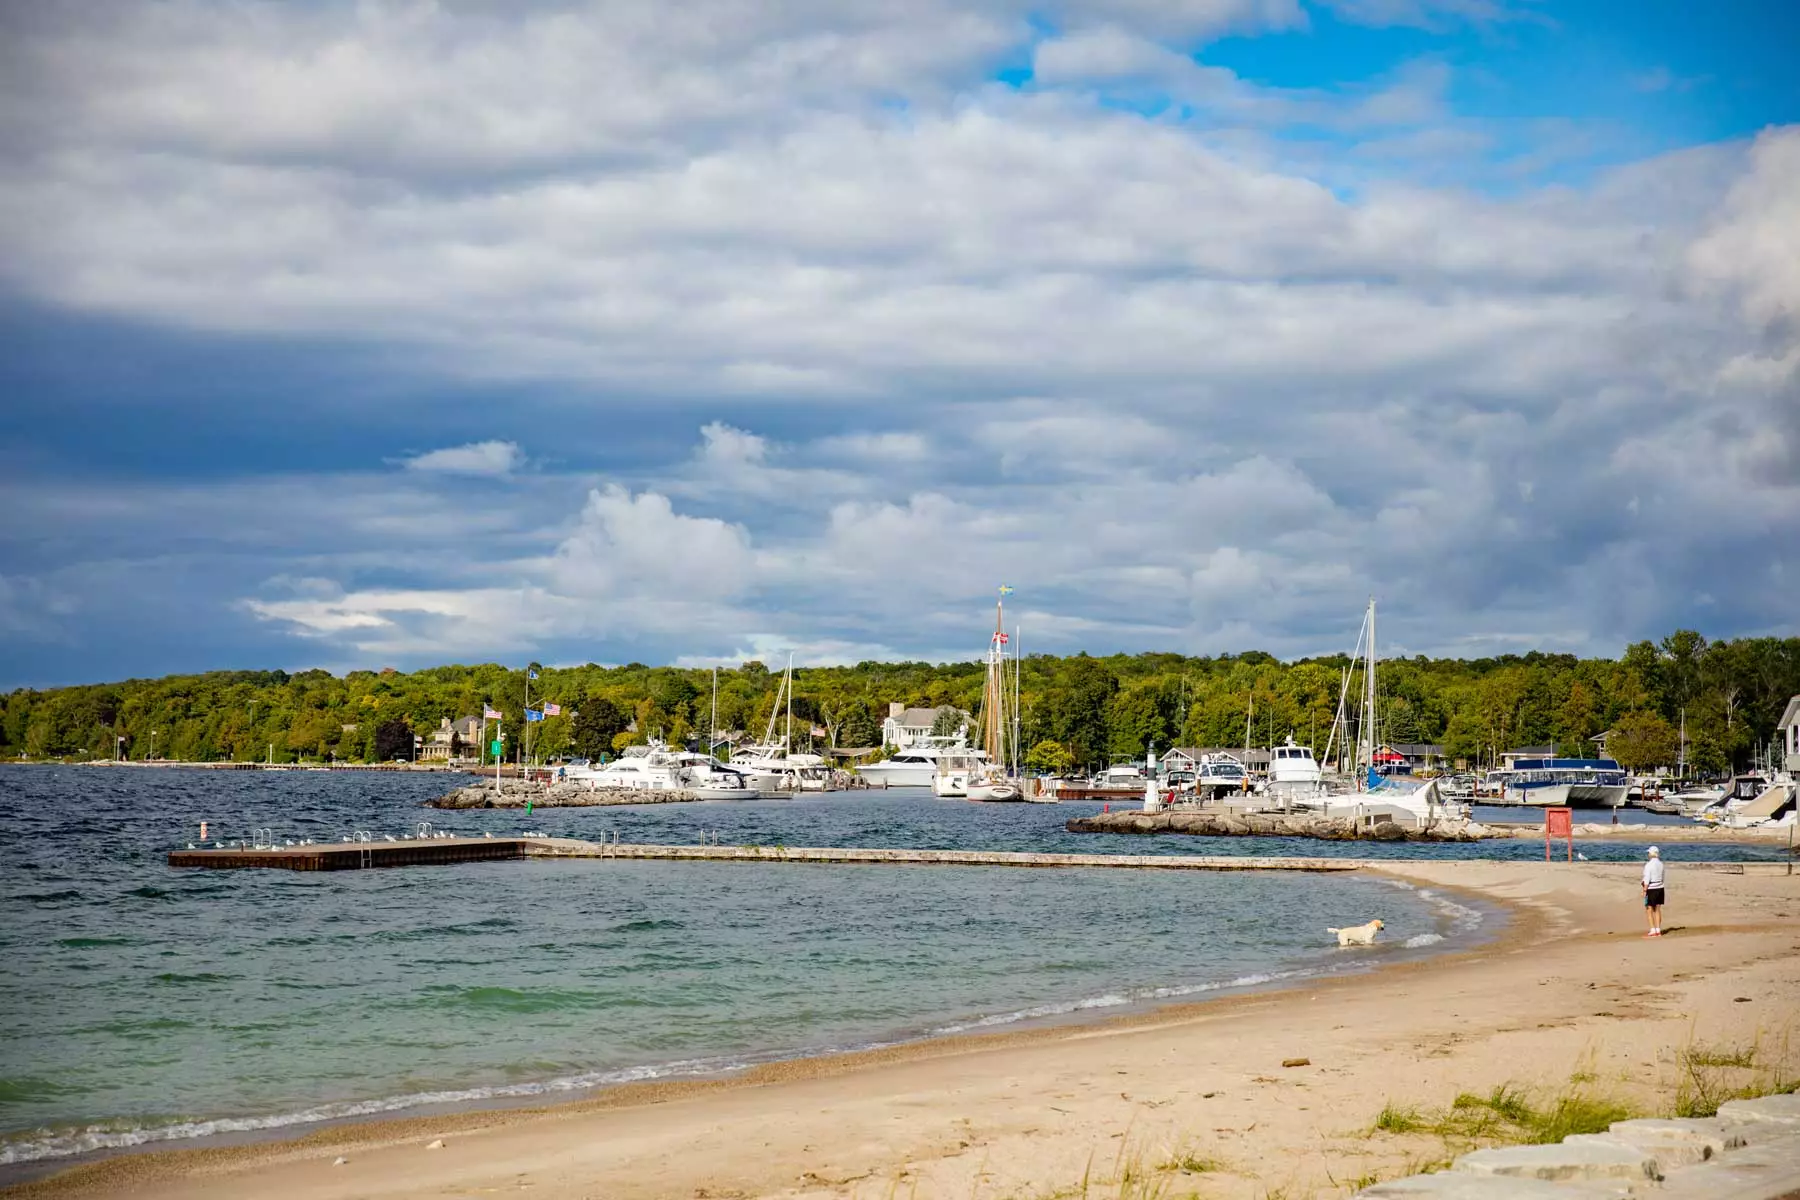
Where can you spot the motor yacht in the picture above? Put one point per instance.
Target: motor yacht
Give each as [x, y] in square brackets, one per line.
[642, 768]
[954, 772]
[916, 766]
[710, 779]
[1220, 777]
[1562, 783]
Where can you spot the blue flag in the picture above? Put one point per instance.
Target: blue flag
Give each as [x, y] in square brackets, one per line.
[532, 714]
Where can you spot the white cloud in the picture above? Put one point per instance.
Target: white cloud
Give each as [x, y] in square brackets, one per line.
[476, 458]
[1175, 379]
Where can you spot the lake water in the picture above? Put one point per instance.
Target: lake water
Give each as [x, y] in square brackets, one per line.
[140, 1004]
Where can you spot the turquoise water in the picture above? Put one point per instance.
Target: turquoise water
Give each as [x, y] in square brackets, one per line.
[141, 1004]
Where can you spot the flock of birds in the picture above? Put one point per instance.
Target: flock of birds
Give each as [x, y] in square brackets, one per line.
[348, 839]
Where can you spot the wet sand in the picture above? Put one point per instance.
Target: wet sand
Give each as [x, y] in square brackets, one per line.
[1571, 986]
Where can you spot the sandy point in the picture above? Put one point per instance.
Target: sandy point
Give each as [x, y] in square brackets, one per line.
[1196, 1096]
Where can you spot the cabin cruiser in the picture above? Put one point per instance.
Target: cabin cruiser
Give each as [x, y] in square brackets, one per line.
[916, 766]
[1220, 777]
[1562, 783]
[642, 768]
[955, 772]
[770, 768]
[710, 779]
[1748, 799]
[1293, 772]
[1122, 777]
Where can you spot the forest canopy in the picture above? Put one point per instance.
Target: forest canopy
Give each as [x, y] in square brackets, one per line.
[1077, 710]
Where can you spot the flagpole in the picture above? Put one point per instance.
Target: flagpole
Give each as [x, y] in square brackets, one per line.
[525, 732]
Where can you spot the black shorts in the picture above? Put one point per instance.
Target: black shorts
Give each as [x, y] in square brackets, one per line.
[1653, 897]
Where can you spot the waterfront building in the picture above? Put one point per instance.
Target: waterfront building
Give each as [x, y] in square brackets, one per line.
[452, 739]
[1789, 732]
[906, 727]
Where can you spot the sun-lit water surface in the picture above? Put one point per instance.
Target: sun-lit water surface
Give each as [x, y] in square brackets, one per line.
[142, 1003]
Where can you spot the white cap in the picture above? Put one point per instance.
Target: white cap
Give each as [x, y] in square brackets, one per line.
[1655, 853]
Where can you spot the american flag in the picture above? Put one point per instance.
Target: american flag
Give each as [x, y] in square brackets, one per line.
[553, 710]
[490, 714]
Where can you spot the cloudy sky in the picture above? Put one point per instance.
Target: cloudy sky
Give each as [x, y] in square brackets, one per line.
[396, 333]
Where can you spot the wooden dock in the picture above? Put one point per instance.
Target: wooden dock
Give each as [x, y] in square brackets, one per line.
[354, 856]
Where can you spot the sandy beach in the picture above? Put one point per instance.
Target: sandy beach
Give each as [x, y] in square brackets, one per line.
[1571, 990]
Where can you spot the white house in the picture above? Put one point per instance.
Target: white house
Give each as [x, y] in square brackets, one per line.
[907, 727]
[1789, 730]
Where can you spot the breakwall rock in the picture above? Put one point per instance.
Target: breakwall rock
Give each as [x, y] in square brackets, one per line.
[1331, 829]
[516, 793]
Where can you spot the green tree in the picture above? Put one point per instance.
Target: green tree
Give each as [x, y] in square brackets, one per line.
[393, 739]
[597, 722]
[1643, 740]
[947, 722]
[856, 727]
[1049, 757]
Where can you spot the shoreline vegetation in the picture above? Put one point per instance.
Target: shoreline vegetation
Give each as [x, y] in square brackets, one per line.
[1077, 711]
[1568, 1019]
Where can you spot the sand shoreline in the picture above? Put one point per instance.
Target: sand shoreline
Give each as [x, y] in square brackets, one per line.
[856, 1118]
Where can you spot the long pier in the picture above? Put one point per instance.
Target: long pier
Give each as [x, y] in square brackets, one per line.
[354, 856]
[350, 856]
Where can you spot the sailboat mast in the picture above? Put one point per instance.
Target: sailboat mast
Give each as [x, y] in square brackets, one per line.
[712, 722]
[1369, 730]
[788, 684]
[1018, 750]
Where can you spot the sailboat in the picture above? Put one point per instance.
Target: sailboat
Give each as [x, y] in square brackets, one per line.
[771, 765]
[997, 780]
[1374, 794]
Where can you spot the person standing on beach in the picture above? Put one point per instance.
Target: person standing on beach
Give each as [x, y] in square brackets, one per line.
[1653, 891]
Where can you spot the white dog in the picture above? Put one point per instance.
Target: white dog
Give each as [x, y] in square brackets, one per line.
[1358, 935]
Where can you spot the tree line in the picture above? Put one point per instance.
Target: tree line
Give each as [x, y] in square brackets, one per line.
[1076, 711]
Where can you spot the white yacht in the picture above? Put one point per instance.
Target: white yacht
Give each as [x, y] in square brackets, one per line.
[954, 773]
[1219, 777]
[1293, 773]
[710, 779]
[1562, 782]
[643, 768]
[917, 766]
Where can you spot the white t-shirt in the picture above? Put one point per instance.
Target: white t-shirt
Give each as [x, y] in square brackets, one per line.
[1653, 873]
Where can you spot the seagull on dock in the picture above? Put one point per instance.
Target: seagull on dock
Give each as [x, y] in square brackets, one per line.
[390, 837]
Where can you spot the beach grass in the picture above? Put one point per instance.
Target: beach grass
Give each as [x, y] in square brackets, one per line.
[1508, 1115]
[1709, 1075]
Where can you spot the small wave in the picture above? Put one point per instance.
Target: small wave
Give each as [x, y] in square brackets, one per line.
[48, 897]
[515, 1000]
[1116, 999]
[83, 943]
[199, 977]
[641, 926]
[14, 1091]
[43, 1143]
[1419, 940]
[148, 893]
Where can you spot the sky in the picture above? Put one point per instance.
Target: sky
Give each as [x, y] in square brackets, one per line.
[396, 333]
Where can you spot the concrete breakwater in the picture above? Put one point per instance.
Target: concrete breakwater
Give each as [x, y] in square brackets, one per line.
[1199, 823]
[516, 793]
